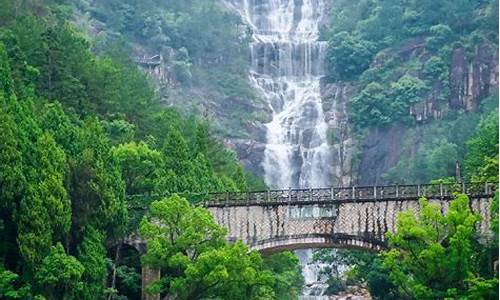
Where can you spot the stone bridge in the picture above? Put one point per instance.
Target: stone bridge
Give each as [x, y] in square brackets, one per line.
[347, 217]
[343, 217]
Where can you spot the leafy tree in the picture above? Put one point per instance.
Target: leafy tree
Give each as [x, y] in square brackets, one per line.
[96, 187]
[432, 255]
[12, 180]
[406, 91]
[348, 55]
[482, 158]
[188, 246]
[370, 106]
[92, 256]
[440, 35]
[10, 287]
[287, 274]
[59, 274]
[141, 166]
[44, 214]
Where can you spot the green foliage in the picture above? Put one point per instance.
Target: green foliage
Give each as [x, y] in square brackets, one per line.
[287, 274]
[378, 106]
[433, 256]
[77, 133]
[92, 256]
[10, 287]
[362, 267]
[96, 186]
[141, 166]
[173, 226]
[44, 212]
[482, 150]
[189, 247]
[348, 56]
[59, 274]
[370, 106]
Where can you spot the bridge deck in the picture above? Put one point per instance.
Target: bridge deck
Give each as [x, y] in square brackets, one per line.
[349, 194]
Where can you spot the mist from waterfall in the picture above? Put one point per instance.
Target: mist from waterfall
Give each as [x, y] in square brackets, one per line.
[286, 67]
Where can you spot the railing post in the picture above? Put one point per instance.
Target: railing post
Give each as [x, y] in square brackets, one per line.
[441, 189]
[463, 187]
[353, 192]
[332, 197]
[486, 191]
[289, 194]
[268, 195]
[227, 198]
[374, 192]
[418, 190]
[397, 190]
[310, 194]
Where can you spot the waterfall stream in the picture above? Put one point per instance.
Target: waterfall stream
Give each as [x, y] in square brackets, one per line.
[286, 67]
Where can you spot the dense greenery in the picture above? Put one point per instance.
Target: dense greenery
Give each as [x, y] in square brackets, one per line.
[399, 52]
[80, 135]
[189, 247]
[436, 256]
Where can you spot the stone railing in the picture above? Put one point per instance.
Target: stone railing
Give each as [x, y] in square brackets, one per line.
[350, 194]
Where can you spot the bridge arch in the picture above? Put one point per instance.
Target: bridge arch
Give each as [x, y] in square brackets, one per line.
[316, 241]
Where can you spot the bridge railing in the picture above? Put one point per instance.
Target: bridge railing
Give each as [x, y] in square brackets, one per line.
[353, 193]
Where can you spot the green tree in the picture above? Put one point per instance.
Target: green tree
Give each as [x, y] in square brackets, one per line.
[348, 55]
[44, 214]
[92, 256]
[432, 255]
[370, 107]
[189, 247]
[141, 166]
[405, 92]
[481, 162]
[59, 275]
[287, 274]
[96, 187]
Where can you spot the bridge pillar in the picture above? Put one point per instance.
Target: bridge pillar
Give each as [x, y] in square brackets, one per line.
[149, 275]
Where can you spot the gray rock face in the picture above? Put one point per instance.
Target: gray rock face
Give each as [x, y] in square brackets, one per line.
[473, 78]
[250, 153]
[380, 151]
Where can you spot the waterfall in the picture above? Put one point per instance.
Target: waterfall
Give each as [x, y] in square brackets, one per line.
[286, 67]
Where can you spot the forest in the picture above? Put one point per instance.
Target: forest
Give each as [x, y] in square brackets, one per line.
[86, 141]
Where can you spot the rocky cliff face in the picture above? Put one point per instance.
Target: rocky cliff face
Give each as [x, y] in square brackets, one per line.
[472, 78]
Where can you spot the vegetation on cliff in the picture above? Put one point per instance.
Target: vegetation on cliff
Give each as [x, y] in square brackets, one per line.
[425, 67]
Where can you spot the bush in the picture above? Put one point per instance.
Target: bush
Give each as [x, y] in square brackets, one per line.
[349, 56]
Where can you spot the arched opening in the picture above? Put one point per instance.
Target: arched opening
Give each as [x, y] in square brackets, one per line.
[330, 276]
[317, 241]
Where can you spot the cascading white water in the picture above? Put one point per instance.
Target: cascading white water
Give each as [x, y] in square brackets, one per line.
[286, 66]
